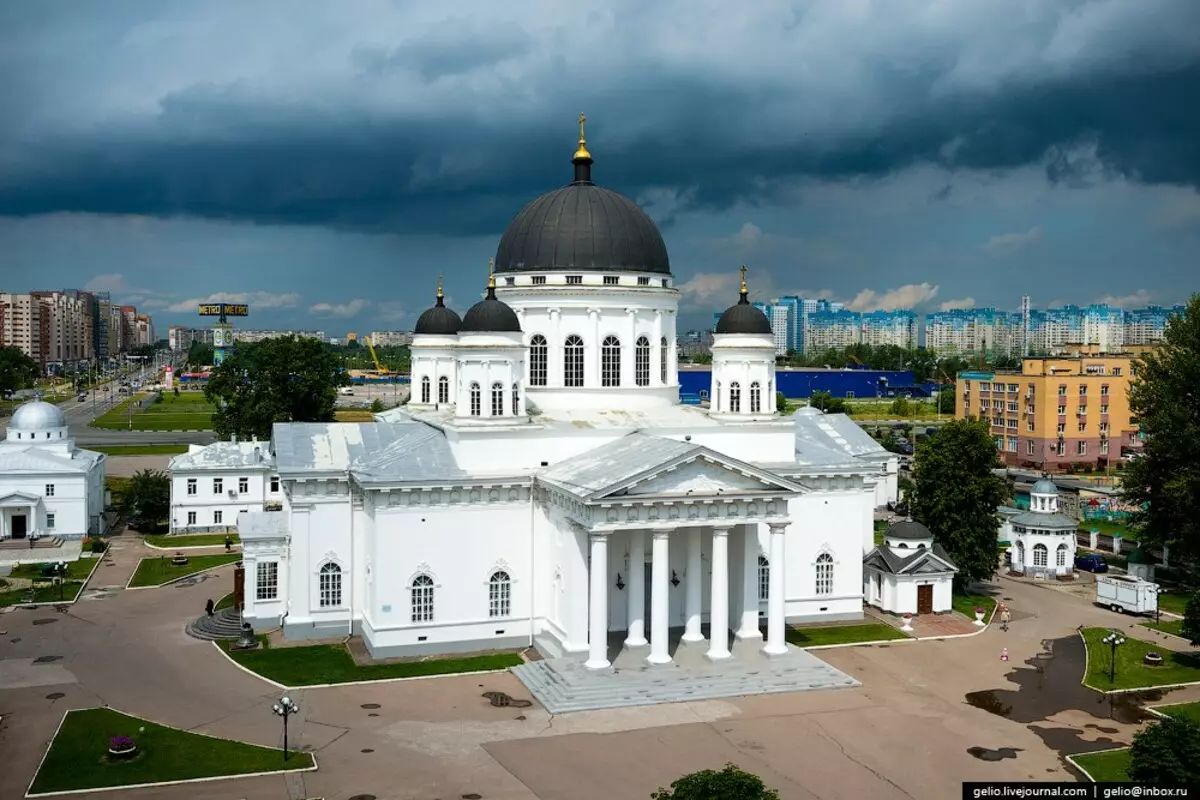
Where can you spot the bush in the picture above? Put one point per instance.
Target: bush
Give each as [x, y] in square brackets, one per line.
[780, 403]
[376, 406]
[730, 783]
[97, 545]
[1167, 752]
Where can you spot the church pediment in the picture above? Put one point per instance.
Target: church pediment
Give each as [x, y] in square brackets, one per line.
[927, 565]
[703, 475]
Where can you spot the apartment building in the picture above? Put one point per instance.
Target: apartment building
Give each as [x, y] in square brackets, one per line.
[1056, 411]
[21, 325]
[1145, 326]
[68, 325]
[387, 338]
[970, 331]
[212, 484]
[824, 330]
[898, 328]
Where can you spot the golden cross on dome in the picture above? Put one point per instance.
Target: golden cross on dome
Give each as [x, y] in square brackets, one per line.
[439, 291]
[744, 289]
[491, 273]
[582, 152]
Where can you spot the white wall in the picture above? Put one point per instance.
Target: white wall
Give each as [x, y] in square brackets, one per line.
[826, 521]
[744, 359]
[205, 501]
[900, 593]
[70, 503]
[433, 357]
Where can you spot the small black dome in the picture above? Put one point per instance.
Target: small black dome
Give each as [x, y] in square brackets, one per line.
[490, 315]
[743, 317]
[582, 227]
[908, 529]
[439, 320]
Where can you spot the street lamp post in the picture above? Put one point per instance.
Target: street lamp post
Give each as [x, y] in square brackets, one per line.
[60, 570]
[285, 708]
[1113, 640]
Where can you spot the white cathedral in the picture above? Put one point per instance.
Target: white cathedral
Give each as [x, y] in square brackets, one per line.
[544, 485]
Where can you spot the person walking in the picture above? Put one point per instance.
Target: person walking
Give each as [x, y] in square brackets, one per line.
[1005, 618]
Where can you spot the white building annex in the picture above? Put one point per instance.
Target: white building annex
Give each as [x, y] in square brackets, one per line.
[212, 484]
[1043, 539]
[48, 486]
[545, 486]
[909, 573]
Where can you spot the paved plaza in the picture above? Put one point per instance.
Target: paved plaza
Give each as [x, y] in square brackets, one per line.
[925, 716]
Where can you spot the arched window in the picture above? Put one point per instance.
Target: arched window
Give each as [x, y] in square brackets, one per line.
[764, 578]
[573, 361]
[610, 362]
[443, 389]
[516, 400]
[329, 584]
[476, 401]
[641, 362]
[824, 574]
[425, 387]
[716, 398]
[755, 398]
[539, 355]
[1061, 556]
[1021, 552]
[422, 599]
[499, 594]
[1040, 555]
[497, 399]
[735, 397]
[665, 359]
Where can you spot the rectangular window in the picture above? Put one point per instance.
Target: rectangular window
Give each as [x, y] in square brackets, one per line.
[191, 518]
[274, 484]
[539, 280]
[849, 395]
[1062, 390]
[266, 585]
[1012, 444]
[1061, 449]
[218, 485]
[49, 490]
[1062, 409]
[1029, 447]
[1104, 390]
[243, 485]
[510, 281]
[643, 281]
[1082, 427]
[1104, 447]
[611, 280]
[1062, 428]
[1081, 448]
[1083, 390]
[1103, 409]
[50, 521]
[1029, 425]
[1012, 387]
[574, 280]
[191, 486]
[218, 516]
[1116, 371]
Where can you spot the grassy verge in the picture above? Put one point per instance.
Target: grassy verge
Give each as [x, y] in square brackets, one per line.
[1131, 672]
[183, 413]
[1171, 626]
[225, 602]
[1173, 602]
[141, 449]
[159, 570]
[1180, 710]
[1108, 767]
[318, 664]
[78, 757]
[42, 593]
[965, 603]
[76, 570]
[195, 540]
[353, 415]
[843, 634]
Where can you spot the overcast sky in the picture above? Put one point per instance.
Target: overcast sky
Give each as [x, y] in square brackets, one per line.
[323, 161]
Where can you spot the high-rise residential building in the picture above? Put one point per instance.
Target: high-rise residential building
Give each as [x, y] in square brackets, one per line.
[777, 313]
[67, 321]
[1026, 323]
[1055, 412]
[102, 338]
[1145, 326]
[261, 335]
[825, 330]
[388, 338]
[898, 328]
[21, 325]
[145, 330]
[116, 331]
[971, 331]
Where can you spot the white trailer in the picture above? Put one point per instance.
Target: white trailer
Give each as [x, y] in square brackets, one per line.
[1122, 593]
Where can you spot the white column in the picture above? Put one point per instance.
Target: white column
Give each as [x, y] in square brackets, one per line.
[695, 569]
[593, 347]
[776, 643]
[660, 651]
[718, 614]
[748, 624]
[629, 351]
[598, 610]
[637, 589]
[656, 351]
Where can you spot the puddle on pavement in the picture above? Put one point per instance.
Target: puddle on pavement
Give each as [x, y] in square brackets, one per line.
[363, 797]
[45, 621]
[47, 659]
[55, 696]
[503, 700]
[1048, 684]
[366, 750]
[984, 754]
[370, 705]
[472, 796]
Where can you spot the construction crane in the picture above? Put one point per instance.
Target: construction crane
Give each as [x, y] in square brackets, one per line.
[380, 369]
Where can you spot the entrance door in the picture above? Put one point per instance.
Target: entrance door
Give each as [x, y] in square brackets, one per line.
[925, 599]
[17, 527]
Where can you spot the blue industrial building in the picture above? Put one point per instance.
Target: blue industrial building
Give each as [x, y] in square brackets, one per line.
[694, 383]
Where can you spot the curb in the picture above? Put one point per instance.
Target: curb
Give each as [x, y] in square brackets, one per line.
[128, 587]
[1071, 760]
[68, 792]
[1164, 633]
[189, 547]
[83, 585]
[280, 686]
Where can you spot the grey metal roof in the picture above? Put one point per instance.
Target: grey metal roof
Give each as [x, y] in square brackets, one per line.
[418, 453]
[39, 459]
[615, 462]
[743, 318]
[376, 452]
[262, 525]
[907, 529]
[825, 440]
[884, 559]
[1053, 522]
[225, 455]
[1044, 486]
[37, 415]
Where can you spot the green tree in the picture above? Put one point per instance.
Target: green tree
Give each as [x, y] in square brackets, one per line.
[376, 406]
[17, 370]
[730, 783]
[901, 407]
[945, 400]
[1190, 628]
[780, 403]
[199, 355]
[147, 498]
[277, 380]
[1167, 753]
[956, 493]
[827, 403]
[1165, 479]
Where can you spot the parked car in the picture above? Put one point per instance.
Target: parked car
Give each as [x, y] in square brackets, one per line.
[1091, 562]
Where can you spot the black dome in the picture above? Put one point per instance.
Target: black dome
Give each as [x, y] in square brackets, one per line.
[439, 320]
[583, 227]
[908, 529]
[490, 315]
[743, 317]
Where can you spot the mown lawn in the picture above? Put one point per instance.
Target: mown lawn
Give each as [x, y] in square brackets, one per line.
[186, 412]
[318, 664]
[78, 757]
[76, 570]
[1180, 710]
[1171, 626]
[965, 603]
[1131, 672]
[141, 449]
[159, 570]
[1111, 766]
[191, 540]
[843, 634]
[1173, 602]
[42, 593]
[225, 602]
[354, 415]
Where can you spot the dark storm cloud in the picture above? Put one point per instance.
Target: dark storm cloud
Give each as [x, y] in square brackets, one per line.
[226, 150]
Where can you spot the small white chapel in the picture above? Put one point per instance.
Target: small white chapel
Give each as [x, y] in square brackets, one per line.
[545, 487]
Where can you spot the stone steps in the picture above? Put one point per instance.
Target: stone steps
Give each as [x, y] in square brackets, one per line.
[565, 685]
[225, 624]
[43, 543]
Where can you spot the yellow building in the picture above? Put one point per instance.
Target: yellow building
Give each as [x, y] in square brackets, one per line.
[1055, 412]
